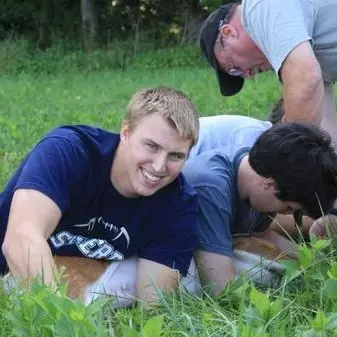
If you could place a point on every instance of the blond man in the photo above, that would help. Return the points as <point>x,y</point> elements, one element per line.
<point>84,191</point>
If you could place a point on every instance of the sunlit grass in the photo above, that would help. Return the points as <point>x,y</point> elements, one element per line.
<point>31,105</point>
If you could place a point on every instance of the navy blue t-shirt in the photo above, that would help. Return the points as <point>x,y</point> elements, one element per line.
<point>71,165</point>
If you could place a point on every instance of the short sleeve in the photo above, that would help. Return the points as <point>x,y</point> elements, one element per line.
<point>212,176</point>
<point>56,167</point>
<point>177,239</point>
<point>213,219</point>
<point>276,27</point>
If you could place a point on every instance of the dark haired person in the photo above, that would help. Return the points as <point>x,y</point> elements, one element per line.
<point>240,188</point>
<point>296,39</point>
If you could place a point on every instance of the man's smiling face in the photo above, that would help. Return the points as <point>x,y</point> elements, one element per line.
<point>154,155</point>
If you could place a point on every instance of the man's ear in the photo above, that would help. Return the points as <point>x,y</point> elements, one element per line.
<point>125,132</point>
<point>269,183</point>
<point>229,30</point>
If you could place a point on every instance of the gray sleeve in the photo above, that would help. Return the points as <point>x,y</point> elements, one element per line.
<point>248,136</point>
<point>276,27</point>
<point>214,213</point>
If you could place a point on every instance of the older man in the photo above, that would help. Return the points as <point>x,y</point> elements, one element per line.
<point>295,38</point>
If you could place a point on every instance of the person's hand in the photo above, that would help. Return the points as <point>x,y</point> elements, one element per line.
<point>325,226</point>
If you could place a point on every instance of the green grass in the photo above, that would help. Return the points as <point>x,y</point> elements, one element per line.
<point>31,104</point>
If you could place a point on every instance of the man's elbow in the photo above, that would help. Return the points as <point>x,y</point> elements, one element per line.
<point>11,244</point>
<point>16,240</point>
<point>314,83</point>
<point>4,249</point>
<point>7,246</point>
<point>308,95</point>
<point>314,92</point>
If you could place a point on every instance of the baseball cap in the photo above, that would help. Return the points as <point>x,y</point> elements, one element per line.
<point>229,85</point>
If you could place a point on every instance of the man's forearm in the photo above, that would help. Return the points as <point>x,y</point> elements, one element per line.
<point>302,102</point>
<point>285,245</point>
<point>303,86</point>
<point>154,278</point>
<point>215,270</point>
<point>29,258</point>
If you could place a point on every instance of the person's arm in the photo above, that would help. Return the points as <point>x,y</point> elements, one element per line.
<point>215,270</point>
<point>154,278</point>
<point>52,174</point>
<point>324,227</point>
<point>214,254</point>
<point>284,35</point>
<point>285,245</point>
<point>303,86</point>
<point>33,217</point>
<point>285,225</point>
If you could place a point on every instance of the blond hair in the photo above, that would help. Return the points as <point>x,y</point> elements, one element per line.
<point>171,104</point>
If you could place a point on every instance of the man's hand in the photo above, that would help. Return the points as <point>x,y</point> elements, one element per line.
<point>325,226</point>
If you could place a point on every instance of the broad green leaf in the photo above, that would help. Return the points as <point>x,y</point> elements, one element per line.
<point>332,272</point>
<point>76,315</point>
<point>253,317</point>
<point>247,331</point>
<point>129,332</point>
<point>305,256</point>
<point>96,306</point>
<point>321,244</point>
<point>330,288</point>
<point>308,333</point>
<point>63,327</point>
<point>292,267</point>
<point>153,327</point>
<point>275,307</point>
<point>332,322</point>
<point>260,301</point>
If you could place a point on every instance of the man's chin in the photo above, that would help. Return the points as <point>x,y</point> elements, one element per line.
<point>146,191</point>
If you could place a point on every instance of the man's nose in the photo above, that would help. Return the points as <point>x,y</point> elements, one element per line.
<point>160,162</point>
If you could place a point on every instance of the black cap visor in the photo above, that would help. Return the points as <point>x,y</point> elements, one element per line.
<point>229,85</point>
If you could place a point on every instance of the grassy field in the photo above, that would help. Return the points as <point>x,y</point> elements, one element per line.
<point>303,304</point>
<point>31,105</point>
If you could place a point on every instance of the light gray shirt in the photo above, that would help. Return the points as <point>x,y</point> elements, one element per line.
<point>221,130</point>
<point>278,26</point>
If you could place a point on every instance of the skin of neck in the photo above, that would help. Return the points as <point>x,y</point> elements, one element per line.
<point>118,176</point>
<point>247,178</point>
